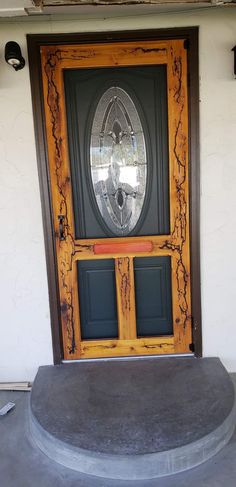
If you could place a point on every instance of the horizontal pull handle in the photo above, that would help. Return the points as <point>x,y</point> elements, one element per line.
<point>123,247</point>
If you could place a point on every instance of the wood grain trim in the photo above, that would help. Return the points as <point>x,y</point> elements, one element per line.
<point>121,348</point>
<point>106,55</point>
<point>62,204</point>
<point>54,60</point>
<point>123,247</point>
<point>176,244</point>
<point>124,272</point>
<point>84,249</point>
<point>179,195</point>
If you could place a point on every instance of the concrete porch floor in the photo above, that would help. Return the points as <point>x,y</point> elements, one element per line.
<point>23,465</point>
<point>133,419</point>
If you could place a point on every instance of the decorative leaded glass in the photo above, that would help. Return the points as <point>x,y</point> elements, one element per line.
<point>118,161</point>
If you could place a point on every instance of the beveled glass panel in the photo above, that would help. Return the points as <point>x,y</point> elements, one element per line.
<point>118,161</point>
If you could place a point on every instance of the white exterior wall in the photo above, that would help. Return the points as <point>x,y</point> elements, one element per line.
<point>25,334</point>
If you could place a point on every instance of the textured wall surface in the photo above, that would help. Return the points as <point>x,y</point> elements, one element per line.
<point>25,321</point>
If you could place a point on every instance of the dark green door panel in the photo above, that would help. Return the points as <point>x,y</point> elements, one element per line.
<point>153,296</point>
<point>97,295</point>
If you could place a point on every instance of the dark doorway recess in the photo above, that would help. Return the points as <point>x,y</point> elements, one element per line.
<point>34,44</point>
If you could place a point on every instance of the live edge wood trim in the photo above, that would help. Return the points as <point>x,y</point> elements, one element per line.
<point>122,347</point>
<point>55,59</point>
<point>34,44</point>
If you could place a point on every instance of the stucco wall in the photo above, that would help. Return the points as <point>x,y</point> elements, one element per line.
<point>25,323</point>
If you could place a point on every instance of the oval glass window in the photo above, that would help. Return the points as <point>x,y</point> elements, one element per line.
<point>118,161</point>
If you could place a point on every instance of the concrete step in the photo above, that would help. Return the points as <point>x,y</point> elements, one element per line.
<point>133,419</point>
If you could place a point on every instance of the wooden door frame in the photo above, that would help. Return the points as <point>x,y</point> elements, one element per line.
<point>35,41</point>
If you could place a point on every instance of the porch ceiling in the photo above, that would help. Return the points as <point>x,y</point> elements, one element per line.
<point>16,8</point>
<point>201,3</point>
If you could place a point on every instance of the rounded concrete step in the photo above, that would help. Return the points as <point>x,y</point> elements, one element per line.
<point>133,419</point>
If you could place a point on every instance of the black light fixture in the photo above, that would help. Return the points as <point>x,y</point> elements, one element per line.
<point>234,50</point>
<point>13,55</point>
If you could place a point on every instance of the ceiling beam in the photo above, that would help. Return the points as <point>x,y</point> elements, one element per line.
<point>53,3</point>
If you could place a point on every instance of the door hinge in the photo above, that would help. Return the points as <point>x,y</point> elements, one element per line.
<point>192,347</point>
<point>186,44</point>
<point>61,219</point>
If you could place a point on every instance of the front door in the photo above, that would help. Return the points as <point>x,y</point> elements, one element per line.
<point>117,132</point>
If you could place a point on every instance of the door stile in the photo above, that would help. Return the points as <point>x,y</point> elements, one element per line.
<point>178,242</point>
<point>62,203</point>
<point>124,270</point>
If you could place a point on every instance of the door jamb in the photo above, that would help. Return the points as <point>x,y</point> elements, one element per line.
<point>34,42</point>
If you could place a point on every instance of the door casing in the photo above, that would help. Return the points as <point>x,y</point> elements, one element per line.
<point>34,44</point>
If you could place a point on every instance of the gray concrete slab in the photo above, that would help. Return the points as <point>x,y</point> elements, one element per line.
<point>132,407</point>
<point>23,465</point>
<point>133,419</point>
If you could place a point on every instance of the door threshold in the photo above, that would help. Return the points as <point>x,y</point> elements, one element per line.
<point>134,357</point>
